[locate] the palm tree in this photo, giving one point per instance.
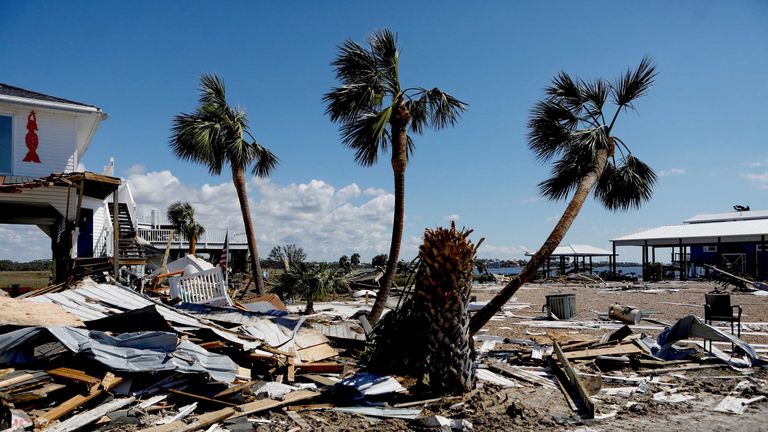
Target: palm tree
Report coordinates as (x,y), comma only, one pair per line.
(310,281)
(217,135)
(570,125)
(182,217)
(375,111)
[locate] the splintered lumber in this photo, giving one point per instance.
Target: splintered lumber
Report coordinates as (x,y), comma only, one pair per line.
(317,353)
(320,379)
(201,397)
(266,404)
(299,420)
(522,374)
(16,380)
(575,381)
(109,381)
(87,417)
(618,350)
(74,375)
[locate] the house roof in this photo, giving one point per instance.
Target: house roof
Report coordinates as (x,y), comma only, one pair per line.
(698,233)
(729,216)
(578,250)
(18,92)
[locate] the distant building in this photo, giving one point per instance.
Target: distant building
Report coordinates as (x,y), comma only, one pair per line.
(733,240)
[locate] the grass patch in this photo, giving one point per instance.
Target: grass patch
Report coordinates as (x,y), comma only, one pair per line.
(33,279)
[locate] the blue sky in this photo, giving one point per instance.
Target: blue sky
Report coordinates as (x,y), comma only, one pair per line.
(701,126)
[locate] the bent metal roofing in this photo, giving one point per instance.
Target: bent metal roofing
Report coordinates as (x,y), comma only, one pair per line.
(753,230)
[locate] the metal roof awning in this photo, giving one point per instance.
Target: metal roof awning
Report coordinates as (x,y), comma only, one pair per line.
(94,185)
(577,250)
(698,234)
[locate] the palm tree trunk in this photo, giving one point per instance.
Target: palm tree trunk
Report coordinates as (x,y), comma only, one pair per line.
(238,178)
(192,243)
(399,162)
(540,257)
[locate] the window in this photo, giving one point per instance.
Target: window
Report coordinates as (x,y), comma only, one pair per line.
(710,248)
(6,144)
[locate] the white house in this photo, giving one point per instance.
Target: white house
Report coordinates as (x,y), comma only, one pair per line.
(42,140)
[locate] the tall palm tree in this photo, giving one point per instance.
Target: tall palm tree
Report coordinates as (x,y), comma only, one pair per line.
(216,135)
(573,126)
(375,111)
(182,217)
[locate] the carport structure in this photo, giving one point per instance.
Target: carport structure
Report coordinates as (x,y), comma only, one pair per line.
(724,239)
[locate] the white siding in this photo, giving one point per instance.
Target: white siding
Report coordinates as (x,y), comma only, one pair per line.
(56,134)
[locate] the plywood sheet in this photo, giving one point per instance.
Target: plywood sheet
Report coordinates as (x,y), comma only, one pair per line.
(24,313)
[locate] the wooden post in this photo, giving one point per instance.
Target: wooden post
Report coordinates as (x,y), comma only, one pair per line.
(590,265)
(116,233)
(613,269)
(645,260)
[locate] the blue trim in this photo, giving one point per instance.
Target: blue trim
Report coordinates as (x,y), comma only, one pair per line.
(6,144)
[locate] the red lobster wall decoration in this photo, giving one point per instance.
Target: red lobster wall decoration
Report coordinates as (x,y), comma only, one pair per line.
(31,139)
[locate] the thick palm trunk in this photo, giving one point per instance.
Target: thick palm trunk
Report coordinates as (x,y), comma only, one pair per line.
(540,257)
(192,244)
(238,178)
(442,294)
(399,161)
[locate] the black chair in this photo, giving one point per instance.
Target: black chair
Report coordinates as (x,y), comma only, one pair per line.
(718,308)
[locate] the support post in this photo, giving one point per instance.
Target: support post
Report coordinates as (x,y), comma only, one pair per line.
(613,268)
(683,273)
(645,261)
(764,253)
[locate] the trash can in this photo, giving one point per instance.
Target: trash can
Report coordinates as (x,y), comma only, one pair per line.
(560,306)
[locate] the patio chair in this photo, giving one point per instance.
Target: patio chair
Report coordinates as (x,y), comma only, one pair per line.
(718,308)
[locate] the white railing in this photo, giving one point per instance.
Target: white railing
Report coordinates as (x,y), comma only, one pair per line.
(160,236)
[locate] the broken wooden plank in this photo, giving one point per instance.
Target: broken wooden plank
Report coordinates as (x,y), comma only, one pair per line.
(299,420)
(201,397)
(109,381)
(317,353)
(319,379)
(74,375)
(575,381)
(618,350)
(16,380)
(87,417)
(266,404)
(522,375)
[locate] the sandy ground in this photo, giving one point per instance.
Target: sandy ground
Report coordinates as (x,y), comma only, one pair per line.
(533,407)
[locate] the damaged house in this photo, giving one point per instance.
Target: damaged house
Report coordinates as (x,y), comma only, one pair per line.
(42,141)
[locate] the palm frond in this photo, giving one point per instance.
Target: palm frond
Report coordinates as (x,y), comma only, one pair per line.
(212,91)
(384,49)
(550,126)
(436,109)
(634,83)
(367,135)
(565,90)
(567,172)
(355,64)
(348,101)
(625,187)
(595,93)
(266,161)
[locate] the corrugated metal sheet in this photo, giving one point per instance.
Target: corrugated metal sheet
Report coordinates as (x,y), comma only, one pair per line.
(93,301)
(697,233)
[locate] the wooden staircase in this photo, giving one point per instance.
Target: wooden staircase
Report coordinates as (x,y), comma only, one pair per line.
(131,252)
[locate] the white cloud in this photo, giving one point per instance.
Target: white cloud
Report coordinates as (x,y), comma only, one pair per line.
(453,217)
(671,172)
(533,199)
(758,179)
(24,243)
(326,221)
(135,170)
